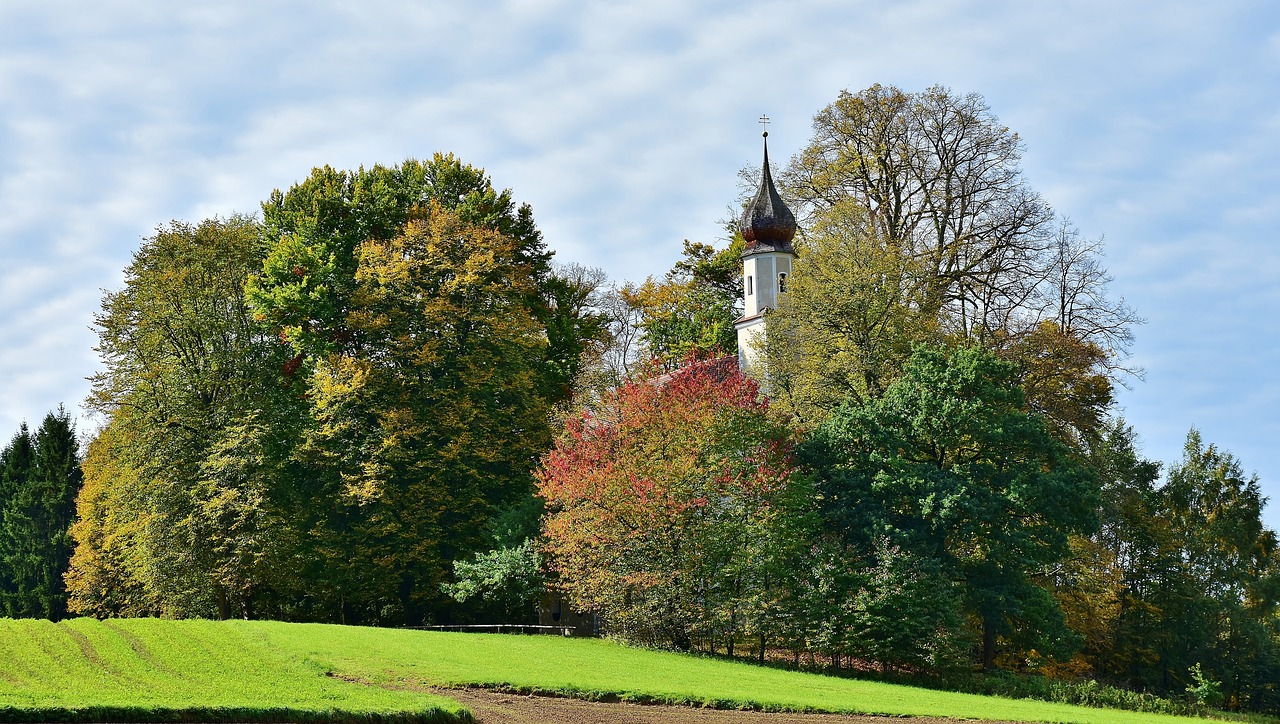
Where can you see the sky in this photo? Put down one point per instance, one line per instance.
(1154, 124)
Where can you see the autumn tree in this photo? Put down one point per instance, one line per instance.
(189, 391)
(949, 464)
(433, 423)
(918, 225)
(663, 504)
(691, 310)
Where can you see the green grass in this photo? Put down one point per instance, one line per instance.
(601, 669)
(149, 670)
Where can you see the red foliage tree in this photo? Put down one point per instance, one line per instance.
(665, 505)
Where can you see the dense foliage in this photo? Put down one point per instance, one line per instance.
(666, 505)
(314, 416)
(950, 467)
(39, 479)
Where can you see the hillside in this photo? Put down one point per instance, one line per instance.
(151, 670)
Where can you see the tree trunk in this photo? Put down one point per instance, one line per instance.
(224, 604)
(988, 644)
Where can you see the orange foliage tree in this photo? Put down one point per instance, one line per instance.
(671, 508)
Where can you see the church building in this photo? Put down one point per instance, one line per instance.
(768, 227)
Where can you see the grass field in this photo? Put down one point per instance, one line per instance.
(148, 670)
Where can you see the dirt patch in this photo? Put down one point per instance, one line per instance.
(492, 707)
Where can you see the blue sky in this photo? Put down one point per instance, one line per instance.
(1153, 123)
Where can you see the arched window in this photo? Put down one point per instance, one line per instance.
(749, 290)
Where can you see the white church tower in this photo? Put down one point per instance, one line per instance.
(768, 227)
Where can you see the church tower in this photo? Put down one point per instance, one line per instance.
(768, 227)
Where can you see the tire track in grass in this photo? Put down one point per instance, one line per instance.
(140, 648)
(88, 650)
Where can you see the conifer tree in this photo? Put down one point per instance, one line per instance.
(15, 467)
(42, 476)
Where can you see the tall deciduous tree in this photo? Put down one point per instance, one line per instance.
(663, 504)
(433, 423)
(949, 464)
(189, 389)
(852, 311)
(918, 226)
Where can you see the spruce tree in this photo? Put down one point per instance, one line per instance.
(42, 478)
(15, 468)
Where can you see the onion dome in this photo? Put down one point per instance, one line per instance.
(767, 224)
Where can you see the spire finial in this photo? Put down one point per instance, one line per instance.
(764, 123)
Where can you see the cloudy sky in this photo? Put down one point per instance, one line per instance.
(1153, 123)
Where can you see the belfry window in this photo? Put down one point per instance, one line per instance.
(782, 282)
(749, 290)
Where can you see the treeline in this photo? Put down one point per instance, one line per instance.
(311, 416)
(937, 481)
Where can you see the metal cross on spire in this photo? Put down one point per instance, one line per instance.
(764, 123)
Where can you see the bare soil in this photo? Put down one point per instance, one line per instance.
(493, 707)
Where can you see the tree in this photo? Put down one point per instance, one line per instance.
(850, 316)
(191, 396)
(105, 578)
(938, 176)
(933, 236)
(507, 581)
(662, 503)
(433, 423)
(313, 232)
(37, 517)
(578, 327)
(16, 463)
(948, 464)
(692, 310)
(1213, 590)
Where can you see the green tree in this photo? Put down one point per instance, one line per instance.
(1213, 592)
(37, 518)
(190, 390)
(314, 230)
(16, 463)
(692, 309)
(504, 582)
(578, 328)
(948, 464)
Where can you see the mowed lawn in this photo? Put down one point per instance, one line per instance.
(151, 670)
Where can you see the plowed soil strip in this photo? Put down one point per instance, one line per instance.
(492, 707)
